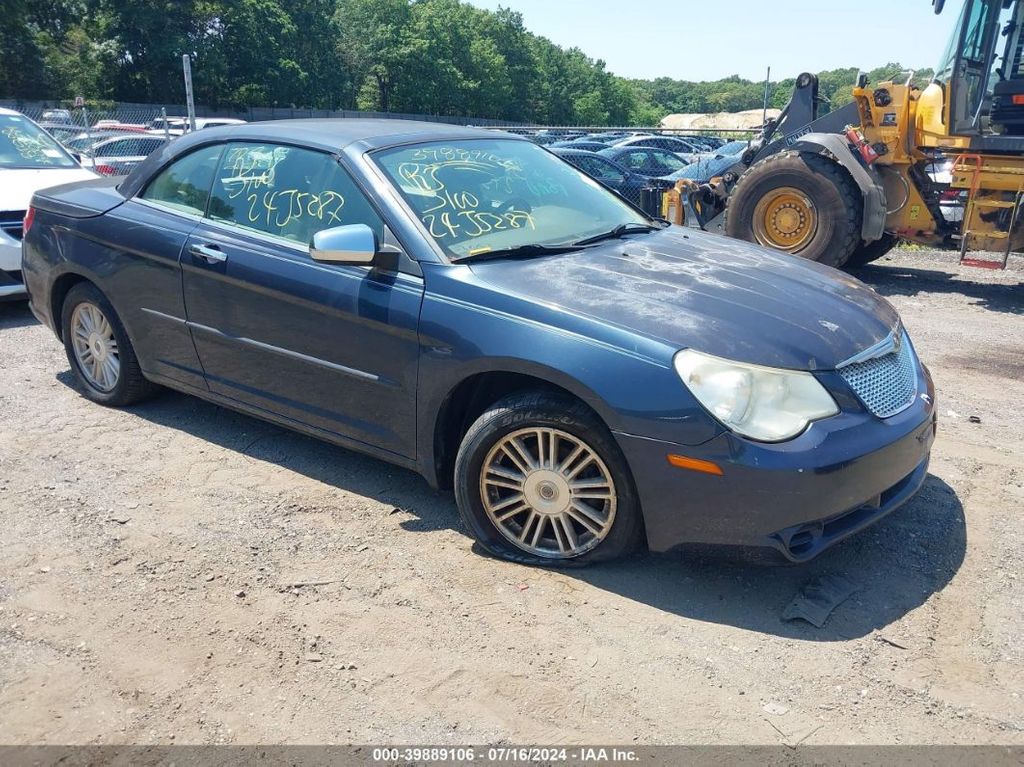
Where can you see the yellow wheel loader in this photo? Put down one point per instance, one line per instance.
(938, 166)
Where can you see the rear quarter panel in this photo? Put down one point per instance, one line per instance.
(130, 251)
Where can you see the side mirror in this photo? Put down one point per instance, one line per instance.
(351, 244)
(77, 157)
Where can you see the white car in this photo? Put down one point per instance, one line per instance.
(953, 201)
(118, 155)
(178, 126)
(30, 160)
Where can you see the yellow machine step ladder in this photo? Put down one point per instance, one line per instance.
(974, 206)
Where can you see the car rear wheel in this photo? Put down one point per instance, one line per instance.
(540, 480)
(101, 355)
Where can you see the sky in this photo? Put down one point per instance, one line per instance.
(704, 40)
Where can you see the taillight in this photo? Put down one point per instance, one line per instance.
(106, 170)
(26, 223)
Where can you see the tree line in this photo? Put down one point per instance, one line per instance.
(442, 57)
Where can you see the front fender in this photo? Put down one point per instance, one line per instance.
(467, 329)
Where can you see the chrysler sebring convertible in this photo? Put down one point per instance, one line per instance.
(465, 304)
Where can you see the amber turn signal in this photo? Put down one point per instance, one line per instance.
(694, 464)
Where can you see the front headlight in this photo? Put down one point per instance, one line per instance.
(766, 404)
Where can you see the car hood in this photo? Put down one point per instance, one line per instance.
(17, 185)
(710, 293)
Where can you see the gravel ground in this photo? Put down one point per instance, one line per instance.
(176, 572)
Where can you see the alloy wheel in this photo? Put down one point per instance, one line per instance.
(95, 347)
(548, 493)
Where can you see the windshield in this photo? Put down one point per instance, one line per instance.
(482, 195)
(23, 144)
(733, 147)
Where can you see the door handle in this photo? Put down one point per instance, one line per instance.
(211, 254)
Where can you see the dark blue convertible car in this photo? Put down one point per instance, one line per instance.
(470, 306)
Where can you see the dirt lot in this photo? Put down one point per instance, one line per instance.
(180, 573)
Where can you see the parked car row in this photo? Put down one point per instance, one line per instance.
(118, 155)
(114, 148)
(30, 160)
(606, 171)
(35, 156)
(569, 139)
(634, 163)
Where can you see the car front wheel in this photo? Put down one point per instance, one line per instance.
(540, 480)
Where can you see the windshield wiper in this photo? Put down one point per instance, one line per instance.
(619, 231)
(520, 251)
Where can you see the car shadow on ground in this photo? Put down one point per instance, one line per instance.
(897, 564)
(896, 280)
(15, 314)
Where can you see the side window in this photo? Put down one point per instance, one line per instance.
(604, 171)
(578, 163)
(586, 164)
(130, 147)
(666, 160)
(112, 149)
(287, 192)
(635, 160)
(185, 184)
(146, 146)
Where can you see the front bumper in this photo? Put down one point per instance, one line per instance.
(799, 497)
(11, 285)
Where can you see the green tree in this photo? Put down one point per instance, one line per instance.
(21, 57)
(239, 62)
(428, 56)
(150, 37)
(374, 42)
(327, 83)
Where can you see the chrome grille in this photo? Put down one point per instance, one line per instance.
(886, 383)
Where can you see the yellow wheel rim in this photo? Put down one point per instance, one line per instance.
(785, 219)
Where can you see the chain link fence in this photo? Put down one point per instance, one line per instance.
(642, 163)
(638, 163)
(110, 141)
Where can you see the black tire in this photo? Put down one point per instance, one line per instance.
(872, 251)
(545, 410)
(131, 385)
(835, 197)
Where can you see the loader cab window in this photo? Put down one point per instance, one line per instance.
(1011, 22)
(966, 66)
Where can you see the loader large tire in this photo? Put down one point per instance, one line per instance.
(872, 251)
(800, 203)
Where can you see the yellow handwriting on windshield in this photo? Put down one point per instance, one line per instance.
(469, 193)
(29, 147)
